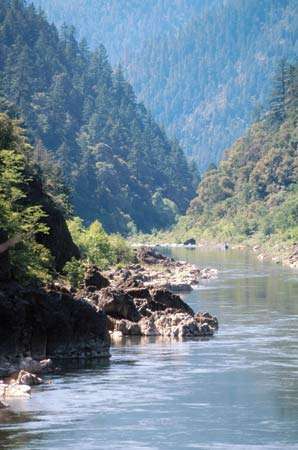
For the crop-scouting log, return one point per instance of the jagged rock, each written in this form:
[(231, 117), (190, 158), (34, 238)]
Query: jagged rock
[(48, 324), (14, 390), (130, 283), (93, 277), (30, 365), (127, 328), (162, 299), (148, 327), (178, 287), (190, 241), (118, 304), (208, 273), (148, 255), (140, 292), (173, 324), (144, 306), (28, 378), (207, 318)]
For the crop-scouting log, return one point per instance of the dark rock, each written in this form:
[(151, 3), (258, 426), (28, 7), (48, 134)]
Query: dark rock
[(28, 378), (148, 255), (130, 283), (206, 318), (127, 328), (93, 277), (144, 306), (162, 299), (138, 292), (42, 324), (190, 241), (118, 304)]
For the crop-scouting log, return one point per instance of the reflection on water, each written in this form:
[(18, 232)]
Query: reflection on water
[(237, 390)]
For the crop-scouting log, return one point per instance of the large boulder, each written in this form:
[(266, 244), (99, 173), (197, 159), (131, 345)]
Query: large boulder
[(118, 304), (138, 292), (162, 299), (30, 379), (148, 255), (171, 323), (49, 324), (93, 277), (206, 317), (190, 241)]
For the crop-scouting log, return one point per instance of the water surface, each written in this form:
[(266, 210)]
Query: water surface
[(237, 390)]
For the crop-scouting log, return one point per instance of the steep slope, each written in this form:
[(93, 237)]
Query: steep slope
[(118, 162), (253, 192), (203, 67), (32, 227)]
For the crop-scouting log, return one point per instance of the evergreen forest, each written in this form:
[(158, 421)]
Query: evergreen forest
[(204, 68)]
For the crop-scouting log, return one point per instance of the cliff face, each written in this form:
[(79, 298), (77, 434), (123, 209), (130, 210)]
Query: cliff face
[(49, 323)]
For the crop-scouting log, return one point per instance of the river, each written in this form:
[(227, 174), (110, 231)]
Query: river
[(237, 390)]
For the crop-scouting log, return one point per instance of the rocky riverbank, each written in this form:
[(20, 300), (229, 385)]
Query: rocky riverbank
[(155, 270), (55, 322), (278, 253), (141, 299), (38, 324)]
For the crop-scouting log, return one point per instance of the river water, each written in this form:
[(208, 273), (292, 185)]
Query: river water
[(237, 390)]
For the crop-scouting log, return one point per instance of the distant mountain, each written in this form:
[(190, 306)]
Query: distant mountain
[(118, 162), (202, 67)]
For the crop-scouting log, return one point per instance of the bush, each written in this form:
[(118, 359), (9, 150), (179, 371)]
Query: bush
[(97, 247)]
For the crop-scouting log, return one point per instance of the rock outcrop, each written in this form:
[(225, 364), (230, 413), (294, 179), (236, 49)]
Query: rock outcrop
[(48, 323), (30, 379), (157, 270), (140, 311), (94, 278), (171, 323), (117, 304), (190, 241), (163, 299)]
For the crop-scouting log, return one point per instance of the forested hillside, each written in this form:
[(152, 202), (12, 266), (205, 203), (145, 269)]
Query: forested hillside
[(31, 221), (118, 163), (253, 192), (202, 67)]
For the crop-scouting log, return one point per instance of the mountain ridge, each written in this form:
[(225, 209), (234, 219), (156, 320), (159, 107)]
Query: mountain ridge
[(203, 75), (76, 107)]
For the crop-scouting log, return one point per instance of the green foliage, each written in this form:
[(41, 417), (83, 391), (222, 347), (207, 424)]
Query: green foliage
[(19, 221), (97, 247), (253, 190), (51, 175), (84, 119), (74, 271)]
